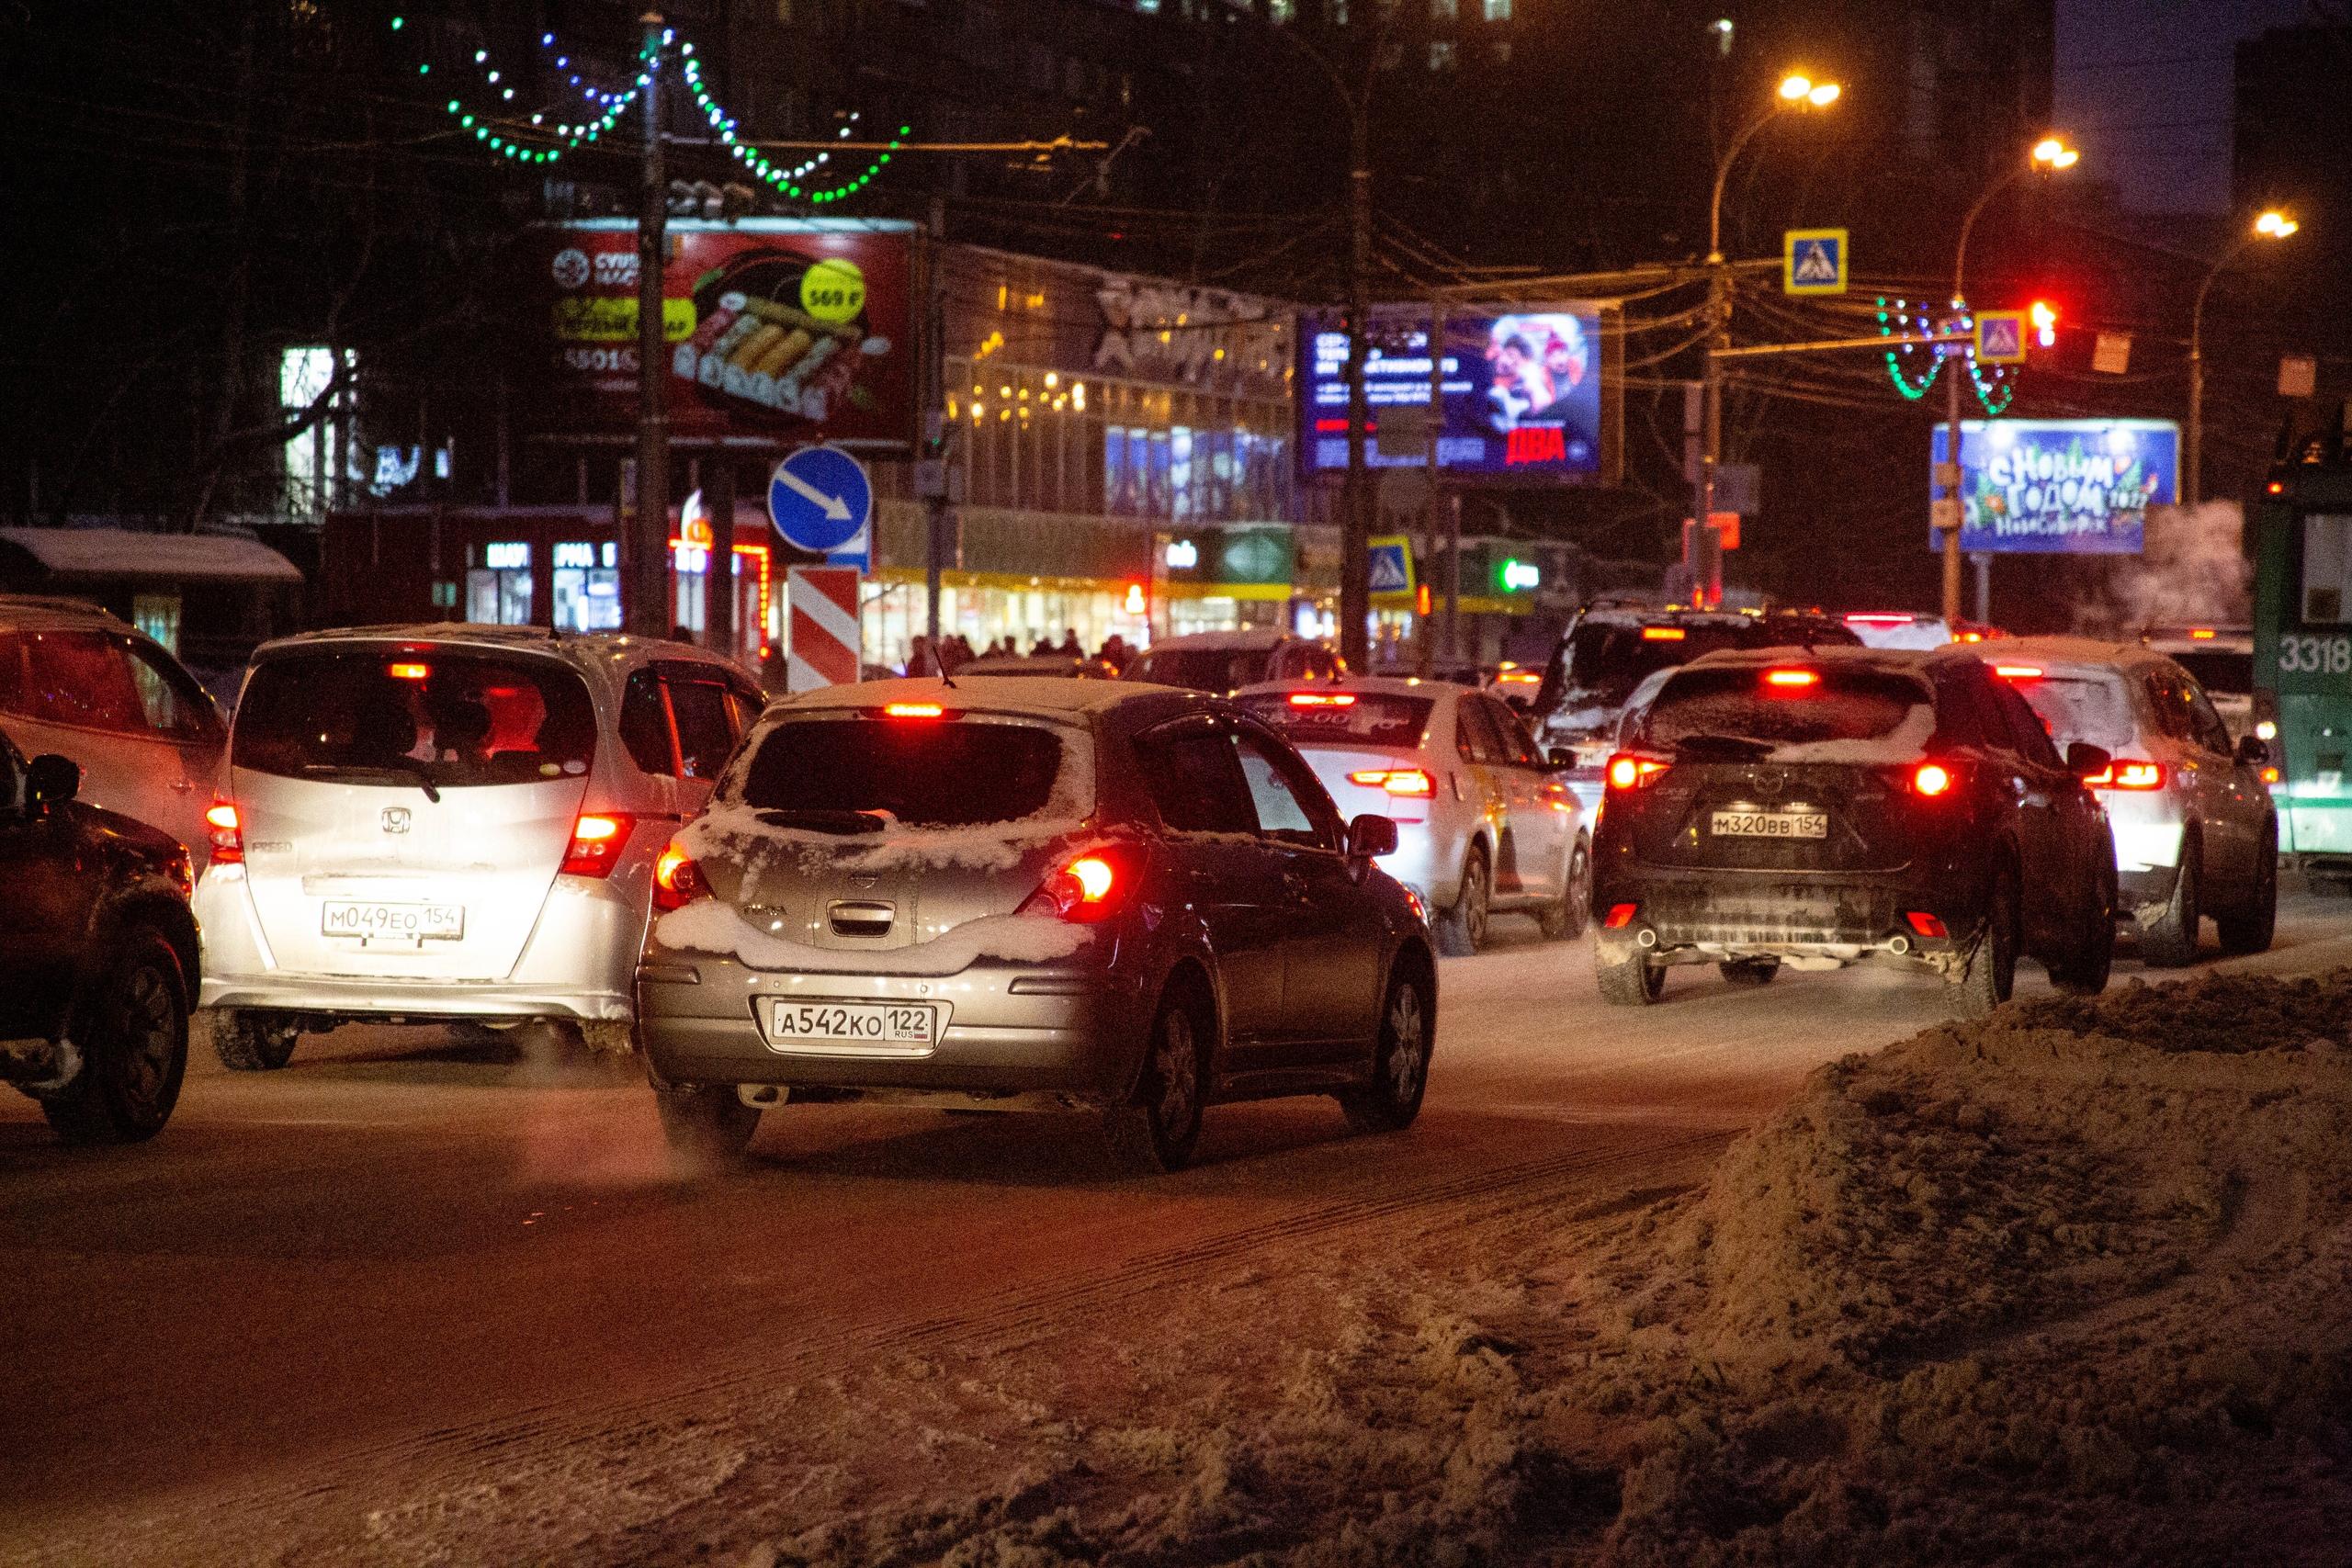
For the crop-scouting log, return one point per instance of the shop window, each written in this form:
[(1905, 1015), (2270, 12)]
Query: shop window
[(498, 590), (158, 614), (587, 587), (1498, 10)]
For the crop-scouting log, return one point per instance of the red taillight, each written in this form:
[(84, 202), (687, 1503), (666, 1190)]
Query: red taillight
[(2128, 775), (2017, 672), (1931, 779), (1925, 924), (408, 671), (1663, 633), (914, 710), (1620, 916), (1629, 771), (1880, 618), (1792, 680), (597, 840), (1411, 782), (228, 833), (677, 880), (1322, 699), (1087, 889)]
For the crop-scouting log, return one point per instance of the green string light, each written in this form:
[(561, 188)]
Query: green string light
[(1994, 392)]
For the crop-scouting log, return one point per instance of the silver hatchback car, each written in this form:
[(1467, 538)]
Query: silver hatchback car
[(449, 823), (2195, 831), (1010, 894)]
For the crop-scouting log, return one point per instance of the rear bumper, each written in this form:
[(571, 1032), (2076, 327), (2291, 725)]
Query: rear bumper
[(369, 998), (1073, 1030), (1707, 916)]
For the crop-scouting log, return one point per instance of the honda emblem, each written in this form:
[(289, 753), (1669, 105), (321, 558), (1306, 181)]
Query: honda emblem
[(396, 820)]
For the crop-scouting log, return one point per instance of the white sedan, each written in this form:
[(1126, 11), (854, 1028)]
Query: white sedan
[(1484, 822)]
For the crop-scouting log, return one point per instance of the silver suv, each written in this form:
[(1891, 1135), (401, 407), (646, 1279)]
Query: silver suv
[(2196, 833), (450, 823)]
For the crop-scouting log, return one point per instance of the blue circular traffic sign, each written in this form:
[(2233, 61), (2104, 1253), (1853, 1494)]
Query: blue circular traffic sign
[(820, 498)]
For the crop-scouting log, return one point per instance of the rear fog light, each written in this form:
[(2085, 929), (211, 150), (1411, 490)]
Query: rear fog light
[(1925, 924), (1620, 916)]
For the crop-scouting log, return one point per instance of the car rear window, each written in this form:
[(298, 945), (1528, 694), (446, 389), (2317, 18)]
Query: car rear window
[(383, 715), (1748, 704), (1218, 670), (1343, 718), (1606, 662), (921, 772), (2219, 670), (2079, 707)]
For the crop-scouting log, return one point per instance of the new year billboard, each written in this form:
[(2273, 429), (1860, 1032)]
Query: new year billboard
[(798, 329), (2061, 486)]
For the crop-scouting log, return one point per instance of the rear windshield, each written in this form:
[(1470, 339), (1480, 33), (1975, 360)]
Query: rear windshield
[(2219, 670), (940, 773), (1342, 718), (1743, 711), (1606, 662), (382, 715), (2087, 707), (1218, 670)]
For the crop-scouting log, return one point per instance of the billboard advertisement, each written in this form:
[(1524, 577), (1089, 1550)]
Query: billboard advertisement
[(798, 329), (1525, 393), (2061, 486)]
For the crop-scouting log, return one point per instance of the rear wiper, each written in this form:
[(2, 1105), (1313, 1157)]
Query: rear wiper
[(842, 823), (1732, 745), (423, 774)]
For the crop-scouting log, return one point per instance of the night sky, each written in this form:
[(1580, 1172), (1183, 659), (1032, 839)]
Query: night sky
[(2144, 87)]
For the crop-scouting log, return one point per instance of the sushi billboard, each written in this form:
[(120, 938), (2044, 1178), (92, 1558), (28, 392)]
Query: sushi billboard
[(2061, 486), (791, 329)]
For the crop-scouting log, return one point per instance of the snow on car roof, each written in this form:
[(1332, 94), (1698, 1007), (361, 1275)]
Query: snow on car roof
[(993, 693), (581, 650), (1381, 685), (2076, 651), (1218, 642)]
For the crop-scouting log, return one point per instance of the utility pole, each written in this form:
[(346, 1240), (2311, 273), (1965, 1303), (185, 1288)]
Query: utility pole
[(1426, 642), (1355, 530), (648, 545), (935, 415), (1955, 367)]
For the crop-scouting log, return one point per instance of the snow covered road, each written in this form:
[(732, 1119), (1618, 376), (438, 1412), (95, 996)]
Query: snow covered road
[(416, 1300)]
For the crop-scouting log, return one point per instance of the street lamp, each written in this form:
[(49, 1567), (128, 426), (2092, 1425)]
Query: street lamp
[(2271, 225), (2047, 157), (1797, 93)]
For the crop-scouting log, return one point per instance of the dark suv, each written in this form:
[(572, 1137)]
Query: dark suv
[(97, 956), (1815, 807)]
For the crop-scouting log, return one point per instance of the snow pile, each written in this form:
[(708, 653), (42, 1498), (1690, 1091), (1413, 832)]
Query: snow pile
[(2068, 1283), (709, 926), (1904, 743)]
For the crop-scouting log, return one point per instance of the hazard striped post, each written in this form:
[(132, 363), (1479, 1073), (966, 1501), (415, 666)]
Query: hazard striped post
[(823, 645)]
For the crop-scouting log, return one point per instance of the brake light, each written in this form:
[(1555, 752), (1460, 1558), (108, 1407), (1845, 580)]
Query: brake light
[(2270, 775), (1931, 779), (677, 880), (2128, 775), (408, 671), (914, 710), (1086, 890), (1520, 678), (1663, 633), (1629, 771), (2017, 672), (1411, 782), (1792, 679), (1926, 924), (1969, 637), (2201, 634), (597, 840), (227, 833), (1620, 916), (1322, 699), (1878, 618)]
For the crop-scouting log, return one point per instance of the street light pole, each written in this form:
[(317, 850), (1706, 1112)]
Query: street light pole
[(648, 545), (1355, 530), (2271, 225)]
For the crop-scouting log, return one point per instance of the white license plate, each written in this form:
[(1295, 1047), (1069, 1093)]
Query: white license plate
[(1769, 824), (817, 1023), (393, 923)]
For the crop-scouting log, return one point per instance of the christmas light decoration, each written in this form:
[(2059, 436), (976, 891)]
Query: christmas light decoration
[(1995, 389)]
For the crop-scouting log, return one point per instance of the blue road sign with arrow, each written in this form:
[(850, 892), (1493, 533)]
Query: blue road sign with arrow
[(820, 499)]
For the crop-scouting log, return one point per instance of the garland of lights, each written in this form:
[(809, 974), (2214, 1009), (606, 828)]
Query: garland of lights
[(613, 104), (1996, 388)]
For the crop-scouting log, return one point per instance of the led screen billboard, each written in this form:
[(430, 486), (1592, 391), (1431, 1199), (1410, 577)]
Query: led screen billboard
[(1526, 394), (797, 329), (2061, 486)]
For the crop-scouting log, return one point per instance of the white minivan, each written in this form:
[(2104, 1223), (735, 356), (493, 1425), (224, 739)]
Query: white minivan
[(450, 823)]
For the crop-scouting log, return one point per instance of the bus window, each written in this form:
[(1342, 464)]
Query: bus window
[(2327, 568)]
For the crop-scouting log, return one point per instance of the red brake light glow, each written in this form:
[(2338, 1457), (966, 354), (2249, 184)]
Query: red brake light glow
[(1926, 924), (408, 671), (1411, 782), (2128, 775), (1878, 618), (1086, 890), (914, 710), (598, 841), (228, 833), (677, 880), (2017, 672), (1792, 679), (1931, 779), (1663, 633), (2201, 634), (1620, 916), (1322, 699), (1520, 678), (1629, 771)]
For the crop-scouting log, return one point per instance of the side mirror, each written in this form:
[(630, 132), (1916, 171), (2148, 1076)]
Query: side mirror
[(1370, 836), (2254, 750), (1561, 758), (51, 780), (2085, 759)]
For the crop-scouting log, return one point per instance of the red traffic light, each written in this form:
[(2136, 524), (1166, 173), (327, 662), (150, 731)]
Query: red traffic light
[(2043, 313)]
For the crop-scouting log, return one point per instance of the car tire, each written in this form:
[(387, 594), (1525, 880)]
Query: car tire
[(2086, 971), (2169, 941), (132, 1032), (707, 1127), (1462, 929), (1992, 974), (1400, 1066), (1750, 972), (1157, 1131), (2250, 929), (1563, 919), (248, 1042), (1629, 982)]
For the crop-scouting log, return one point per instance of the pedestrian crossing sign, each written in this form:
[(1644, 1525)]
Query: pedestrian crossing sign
[(2001, 337), (1813, 260), (1391, 566)]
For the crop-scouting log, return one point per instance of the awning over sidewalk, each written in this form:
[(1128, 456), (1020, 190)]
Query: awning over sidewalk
[(84, 555)]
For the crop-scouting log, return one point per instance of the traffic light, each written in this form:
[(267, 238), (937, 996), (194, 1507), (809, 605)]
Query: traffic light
[(2043, 315)]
